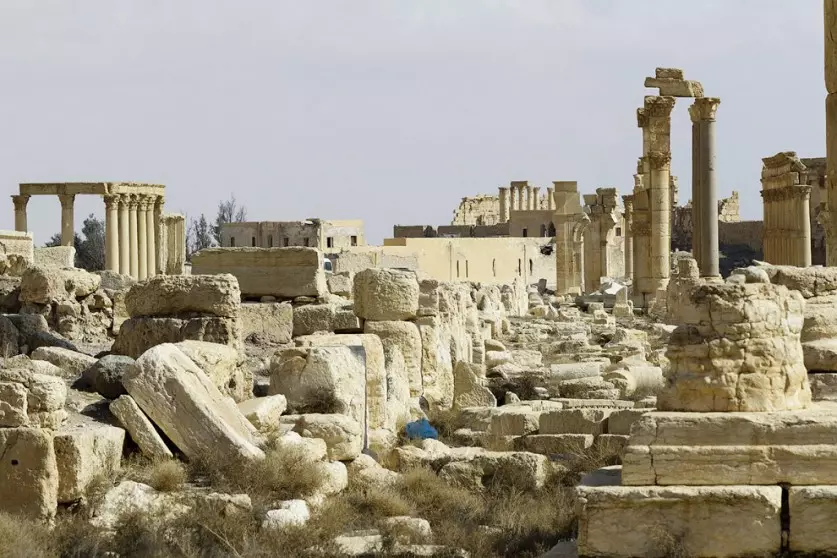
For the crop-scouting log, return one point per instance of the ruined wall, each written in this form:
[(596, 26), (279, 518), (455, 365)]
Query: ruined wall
[(537, 223), (171, 247), (681, 219), (314, 233), (451, 231), (482, 209)]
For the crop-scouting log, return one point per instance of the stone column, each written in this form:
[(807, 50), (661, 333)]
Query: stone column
[(703, 117), (550, 205), (658, 163), (521, 204), (112, 232), (829, 219), (133, 234), (803, 242), (536, 198), (67, 219), (20, 201), (629, 236), (696, 176), (151, 236), (142, 237), (162, 267), (124, 235), (504, 204)]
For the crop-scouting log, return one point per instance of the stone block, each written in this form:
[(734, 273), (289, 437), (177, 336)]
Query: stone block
[(55, 256), (85, 449), (29, 472), (222, 364), (10, 338), (281, 272), (170, 295), (574, 421), (105, 375), (341, 284), (610, 446), (468, 388), (345, 321), (812, 510), (519, 421), (407, 337), (270, 323), (569, 403), (44, 403), (704, 521), (16, 252), (264, 412), (313, 318), (386, 294), (71, 363), (437, 342), (45, 285), (342, 434), (823, 386), (554, 444), (140, 428), (137, 335), (181, 399), (620, 421), (732, 448)]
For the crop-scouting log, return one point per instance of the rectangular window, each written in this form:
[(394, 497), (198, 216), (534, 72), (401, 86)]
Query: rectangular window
[(618, 231), (525, 233), (286, 242), (354, 241), (329, 242), (253, 242), (270, 241), (232, 241), (305, 241)]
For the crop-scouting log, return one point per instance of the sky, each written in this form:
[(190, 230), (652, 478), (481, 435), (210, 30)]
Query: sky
[(383, 110)]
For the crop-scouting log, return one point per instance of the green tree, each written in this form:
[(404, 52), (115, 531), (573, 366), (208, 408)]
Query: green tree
[(228, 212), (90, 245), (198, 236)]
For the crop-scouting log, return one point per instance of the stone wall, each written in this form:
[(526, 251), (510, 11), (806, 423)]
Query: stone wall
[(314, 233), (481, 209), (55, 256), (16, 252), (172, 244), (681, 228)]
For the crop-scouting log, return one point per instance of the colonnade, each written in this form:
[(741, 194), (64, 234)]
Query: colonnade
[(520, 196), (787, 220)]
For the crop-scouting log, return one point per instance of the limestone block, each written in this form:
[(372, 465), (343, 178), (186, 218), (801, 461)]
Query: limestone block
[(610, 447), (341, 284), (574, 421), (322, 379), (670, 87), (575, 370), (345, 321), (468, 388), (9, 338), (105, 375), (181, 399), (72, 363), (270, 323), (281, 272), (264, 412), (406, 336), (29, 472), (554, 444), (313, 318), (335, 476), (137, 335), (44, 399), (45, 285), (342, 434), (375, 365), (222, 364), (115, 281), (85, 449), (706, 521), (132, 497), (508, 421), (314, 449), (386, 294), (823, 386), (140, 428), (732, 448), (629, 378), (408, 529), (428, 297), (620, 421), (737, 350), (812, 511), (55, 256), (437, 344), (170, 295), (476, 469), (569, 403)]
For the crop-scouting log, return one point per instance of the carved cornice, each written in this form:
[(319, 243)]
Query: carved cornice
[(787, 193), (704, 109), (67, 200), (659, 107)]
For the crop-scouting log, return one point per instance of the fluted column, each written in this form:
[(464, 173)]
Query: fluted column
[(133, 234), (829, 216), (67, 219), (530, 199), (151, 237), (629, 236), (658, 110), (20, 202), (504, 204), (124, 235), (142, 237), (112, 232), (536, 198), (703, 118), (521, 204), (550, 203)]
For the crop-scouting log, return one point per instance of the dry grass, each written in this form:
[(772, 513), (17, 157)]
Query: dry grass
[(23, 538), (165, 475)]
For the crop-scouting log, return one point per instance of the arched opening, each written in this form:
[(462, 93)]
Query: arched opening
[(551, 229)]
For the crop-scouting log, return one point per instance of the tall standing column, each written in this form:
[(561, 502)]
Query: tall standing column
[(133, 234), (20, 202), (151, 236), (629, 236), (162, 251), (67, 219), (696, 177), (142, 237), (521, 204), (504, 204), (703, 117), (536, 198), (550, 205), (124, 235), (829, 216), (112, 232), (658, 111), (804, 243)]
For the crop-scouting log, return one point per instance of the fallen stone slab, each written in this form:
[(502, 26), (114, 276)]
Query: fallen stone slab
[(264, 412), (72, 363), (222, 364), (554, 444), (170, 295), (574, 421), (140, 428)]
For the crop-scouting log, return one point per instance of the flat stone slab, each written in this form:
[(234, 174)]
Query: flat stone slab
[(812, 512), (795, 447), (701, 521), (569, 403)]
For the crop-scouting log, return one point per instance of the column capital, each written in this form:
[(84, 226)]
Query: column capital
[(639, 183), (145, 202), (629, 203), (20, 201), (504, 189), (132, 201), (67, 200), (111, 201), (704, 109), (659, 107), (641, 118), (659, 160), (159, 201)]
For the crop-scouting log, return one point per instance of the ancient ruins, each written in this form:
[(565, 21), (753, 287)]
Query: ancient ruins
[(561, 371)]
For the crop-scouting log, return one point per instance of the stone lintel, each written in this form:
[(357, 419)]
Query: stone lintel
[(675, 87), (669, 73), (91, 188)]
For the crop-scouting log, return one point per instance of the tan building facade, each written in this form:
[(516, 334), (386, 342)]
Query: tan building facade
[(322, 234)]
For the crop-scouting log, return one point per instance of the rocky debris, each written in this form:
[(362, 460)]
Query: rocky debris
[(139, 427), (468, 388), (105, 375), (288, 512), (223, 365), (343, 435), (31, 400), (270, 323), (71, 363), (187, 406), (386, 294), (264, 412)]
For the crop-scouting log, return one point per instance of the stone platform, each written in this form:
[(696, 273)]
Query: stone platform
[(676, 448)]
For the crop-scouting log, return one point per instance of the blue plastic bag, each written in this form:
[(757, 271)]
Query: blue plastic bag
[(420, 430)]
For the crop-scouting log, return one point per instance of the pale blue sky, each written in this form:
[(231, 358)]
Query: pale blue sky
[(387, 110)]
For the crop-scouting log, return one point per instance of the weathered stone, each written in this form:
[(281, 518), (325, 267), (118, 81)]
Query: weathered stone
[(181, 399), (569, 403), (29, 472), (44, 404), (281, 272), (510, 421), (554, 444), (703, 521), (137, 335), (139, 427), (9, 338), (313, 318), (222, 364), (407, 337), (115, 281), (129, 497), (340, 284), (13, 405), (342, 434), (386, 294), (406, 529), (105, 375), (288, 512), (345, 321), (170, 295), (85, 449), (468, 389), (574, 421), (264, 412), (72, 363), (45, 285), (621, 421), (812, 510), (269, 323), (322, 379)]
